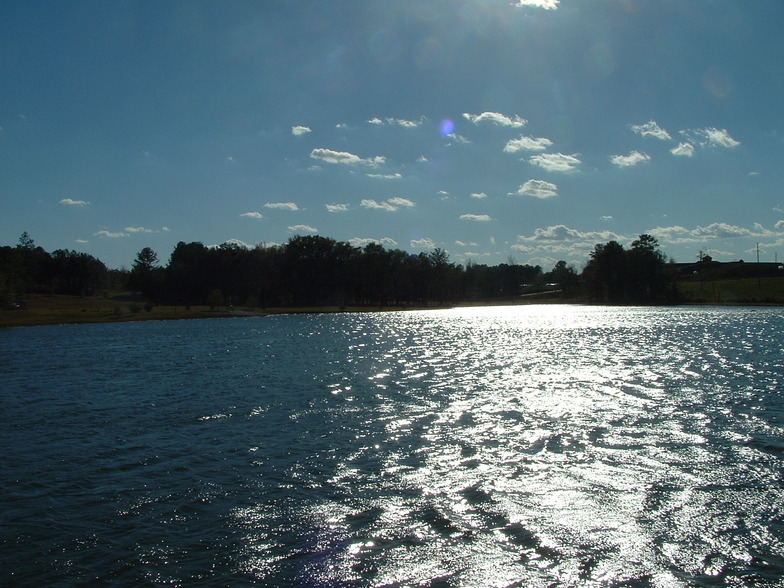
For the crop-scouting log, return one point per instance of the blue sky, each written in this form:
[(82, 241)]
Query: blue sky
[(494, 129)]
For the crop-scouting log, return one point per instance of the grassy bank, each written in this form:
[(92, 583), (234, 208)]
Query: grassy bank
[(53, 310), (737, 291), (48, 310)]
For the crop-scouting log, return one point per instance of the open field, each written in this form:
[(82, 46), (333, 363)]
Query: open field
[(737, 291)]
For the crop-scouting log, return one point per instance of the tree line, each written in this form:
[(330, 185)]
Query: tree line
[(310, 271)]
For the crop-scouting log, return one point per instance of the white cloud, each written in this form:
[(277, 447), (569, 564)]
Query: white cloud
[(478, 195), (722, 231), (238, 243), (422, 159), (476, 217), (345, 158), (252, 215), (109, 234), (302, 229), (496, 118), (537, 189), (398, 201), (679, 234), (425, 243), (81, 241), (395, 176), (138, 230), (281, 205), (683, 150), (651, 129), (370, 203), (455, 138), (633, 158), (401, 122), (557, 233), (336, 207), (546, 4), (527, 144), (361, 241), (674, 234), (299, 130), (711, 137), (606, 217), (557, 162), (69, 202), (779, 225)]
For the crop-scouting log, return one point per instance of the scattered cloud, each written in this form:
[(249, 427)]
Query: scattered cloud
[(70, 202), (282, 205), (336, 207), (683, 150), (711, 137), (630, 160), (651, 129), (678, 234), (606, 217), (302, 229), (496, 118), (475, 217), (345, 158), (299, 130), (557, 233), (237, 243), (546, 4), (252, 215), (370, 203), (555, 162), (395, 176), (422, 159), (81, 241), (479, 195), (389, 205), (404, 202), (455, 138), (401, 122), (110, 234), (537, 189), (361, 242), (138, 230), (527, 144), (424, 243), (723, 231)]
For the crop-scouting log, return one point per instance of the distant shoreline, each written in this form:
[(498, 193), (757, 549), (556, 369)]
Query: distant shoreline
[(61, 310)]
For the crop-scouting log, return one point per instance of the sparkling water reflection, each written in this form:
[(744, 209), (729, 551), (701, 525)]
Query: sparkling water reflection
[(499, 446)]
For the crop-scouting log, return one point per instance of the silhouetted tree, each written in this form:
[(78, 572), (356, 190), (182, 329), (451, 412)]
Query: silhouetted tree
[(639, 275), (145, 275), (566, 277)]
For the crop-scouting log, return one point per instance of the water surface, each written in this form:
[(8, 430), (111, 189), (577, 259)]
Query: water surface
[(498, 446)]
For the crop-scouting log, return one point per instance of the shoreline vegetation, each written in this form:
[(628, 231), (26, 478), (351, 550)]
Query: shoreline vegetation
[(318, 274), (41, 309)]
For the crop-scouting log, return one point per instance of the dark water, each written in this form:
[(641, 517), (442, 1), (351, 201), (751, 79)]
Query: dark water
[(526, 446)]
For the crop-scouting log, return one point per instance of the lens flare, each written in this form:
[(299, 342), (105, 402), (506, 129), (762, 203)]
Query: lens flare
[(447, 127)]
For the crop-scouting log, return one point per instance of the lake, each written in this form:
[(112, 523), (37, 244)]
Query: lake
[(493, 446)]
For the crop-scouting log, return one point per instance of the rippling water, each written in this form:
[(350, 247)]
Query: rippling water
[(519, 446)]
